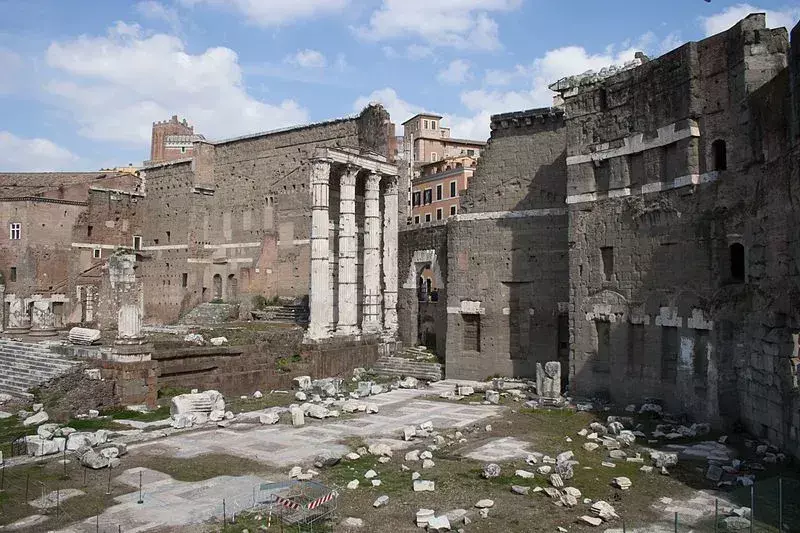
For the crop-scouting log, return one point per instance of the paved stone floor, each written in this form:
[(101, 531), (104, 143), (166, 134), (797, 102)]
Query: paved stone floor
[(498, 450), (168, 502), (285, 446)]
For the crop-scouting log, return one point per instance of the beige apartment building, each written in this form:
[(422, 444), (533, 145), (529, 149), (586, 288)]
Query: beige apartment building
[(436, 192)]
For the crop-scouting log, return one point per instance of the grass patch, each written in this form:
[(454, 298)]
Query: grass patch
[(121, 413), (170, 392), (238, 405), (93, 424)]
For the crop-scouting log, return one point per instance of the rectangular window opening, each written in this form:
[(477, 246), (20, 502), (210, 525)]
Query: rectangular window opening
[(439, 214), (439, 192), (13, 275), (15, 231), (416, 219), (137, 242), (184, 280), (453, 191), (607, 256), (89, 231), (602, 176), (472, 333), (670, 346), (603, 347), (169, 236), (96, 253), (452, 210), (428, 217)]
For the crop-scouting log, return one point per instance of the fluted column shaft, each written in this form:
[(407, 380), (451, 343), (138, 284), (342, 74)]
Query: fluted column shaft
[(348, 255), (372, 255), (319, 297), (390, 229)]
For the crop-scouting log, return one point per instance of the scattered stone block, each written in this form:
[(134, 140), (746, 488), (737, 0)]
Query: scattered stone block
[(352, 485), (424, 516), (352, 523), (524, 474), (491, 470), (34, 420), (622, 483), (519, 489), (492, 397), (591, 520), (381, 501), (421, 485), (484, 503), (439, 523)]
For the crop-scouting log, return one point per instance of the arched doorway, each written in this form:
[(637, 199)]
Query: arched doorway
[(232, 288), (217, 287)]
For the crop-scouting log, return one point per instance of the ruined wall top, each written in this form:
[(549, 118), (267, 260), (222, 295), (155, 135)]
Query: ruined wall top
[(526, 118)]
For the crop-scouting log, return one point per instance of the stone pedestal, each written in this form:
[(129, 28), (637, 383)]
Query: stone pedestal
[(348, 255), (43, 322), (18, 319), (130, 345)]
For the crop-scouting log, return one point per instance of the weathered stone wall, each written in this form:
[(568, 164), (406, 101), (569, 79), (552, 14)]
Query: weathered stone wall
[(420, 247), (239, 213), (660, 303)]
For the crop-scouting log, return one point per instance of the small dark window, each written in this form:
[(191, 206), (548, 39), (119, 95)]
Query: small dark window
[(137, 242), (472, 333), (602, 176), (155, 241), (737, 262), (96, 253), (720, 155), (603, 97), (428, 217), (452, 210), (416, 219), (670, 345), (169, 235), (607, 256), (636, 169), (184, 280), (89, 231), (13, 275), (438, 192), (470, 153), (416, 198), (439, 214), (427, 197), (453, 189)]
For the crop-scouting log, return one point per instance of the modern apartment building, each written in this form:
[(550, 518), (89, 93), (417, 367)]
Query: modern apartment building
[(436, 192)]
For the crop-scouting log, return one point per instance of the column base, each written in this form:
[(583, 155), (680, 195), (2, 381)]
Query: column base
[(43, 332), (131, 350), (347, 331), (19, 331), (316, 333)]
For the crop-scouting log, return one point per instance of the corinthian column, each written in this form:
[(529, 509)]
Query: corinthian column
[(319, 297), (372, 255), (390, 257), (348, 251)]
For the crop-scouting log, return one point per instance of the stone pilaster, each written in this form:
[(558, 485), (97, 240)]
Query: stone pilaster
[(319, 296), (129, 322), (390, 229), (348, 255), (2, 305), (43, 321), (18, 319), (371, 322)]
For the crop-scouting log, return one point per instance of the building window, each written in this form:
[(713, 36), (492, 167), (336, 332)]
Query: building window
[(433, 124), (183, 149), (602, 348), (720, 155), (737, 262), (636, 169), (439, 214), (453, 190), (439, 192), (15, 231), (602, 175), (427, 217), (452, 210), (425, 124), (427, 197), (670, 344), (89, 231), (607, 256), (184, 280), (416, 219), (471, 153), (434, 156), (137, 242), (96, 253), (471, 340), (169, 235), (417, 196), (13, 275)]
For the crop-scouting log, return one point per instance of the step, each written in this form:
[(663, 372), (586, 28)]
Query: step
[(34, 364)]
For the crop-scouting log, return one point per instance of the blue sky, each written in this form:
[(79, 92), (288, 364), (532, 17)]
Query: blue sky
[(82, 81)]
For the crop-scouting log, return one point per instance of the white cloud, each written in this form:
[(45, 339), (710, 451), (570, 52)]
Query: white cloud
[(157, 11), (269, 13), (32, 155), (723, 20), (12, 68), (116, 85), (456, 73), (399, 110), (307, 59), (418, 51), (455, 23)]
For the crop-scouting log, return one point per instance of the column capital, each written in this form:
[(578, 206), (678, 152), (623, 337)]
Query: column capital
[(320, 171), (348, 177), (373, 180), (390, 180)]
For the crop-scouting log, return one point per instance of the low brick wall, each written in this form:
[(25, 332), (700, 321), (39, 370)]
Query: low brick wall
[(236, 370), (135, 383)]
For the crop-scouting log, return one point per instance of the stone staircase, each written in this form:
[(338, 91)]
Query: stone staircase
[(296, 314), (414, 361), (24, 365), (208, 313)]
